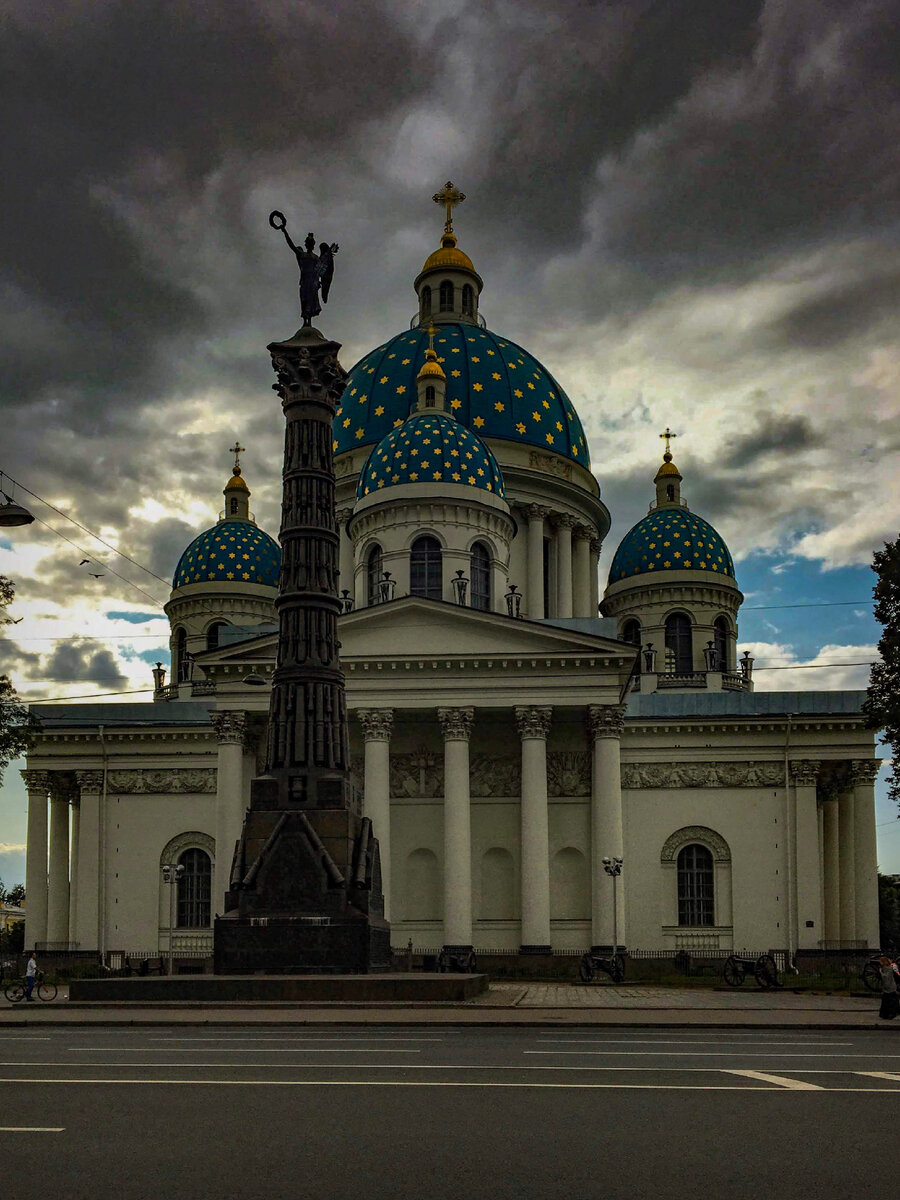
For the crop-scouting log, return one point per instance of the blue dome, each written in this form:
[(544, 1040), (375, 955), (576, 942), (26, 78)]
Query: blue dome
[(430, 448), (494, 387), (671, 539), (230, 552)]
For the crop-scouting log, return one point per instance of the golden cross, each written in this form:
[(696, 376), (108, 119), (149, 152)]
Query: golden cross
[(667, 435), (237, 450), (431, 332), (449, 196)]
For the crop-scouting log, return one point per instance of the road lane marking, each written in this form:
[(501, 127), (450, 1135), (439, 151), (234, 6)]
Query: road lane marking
[(429, 1083), (702, 1054), (294, 1040), (677, 1042), (880, 1075), (32, 1129), (238, 1050), (799, 1085), (408, 1066)]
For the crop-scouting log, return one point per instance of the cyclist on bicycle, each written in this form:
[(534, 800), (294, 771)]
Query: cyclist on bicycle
[(30, 977)]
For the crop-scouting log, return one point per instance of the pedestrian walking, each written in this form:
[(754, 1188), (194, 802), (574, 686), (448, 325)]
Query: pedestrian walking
[(31, 977), (890, 1000)]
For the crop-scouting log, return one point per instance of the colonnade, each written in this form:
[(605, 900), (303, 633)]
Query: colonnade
[(605, 723), (836, 854), (575, 550)]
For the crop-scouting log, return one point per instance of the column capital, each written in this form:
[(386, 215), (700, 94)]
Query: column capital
[(606, 720), (585, 532), (533, 721), (537, 512), (343, 515), (596, 544), (230, 727), (563, 520), (804, 772), (89, 781), (36, 781), (62, 786), (456, 723), (864, 771), (377, 723)]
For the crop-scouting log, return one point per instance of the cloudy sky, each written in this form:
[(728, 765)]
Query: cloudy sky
[(687, 209)]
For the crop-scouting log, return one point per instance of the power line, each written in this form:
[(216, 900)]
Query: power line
[(806, 604), (97, 536), (86, 696)]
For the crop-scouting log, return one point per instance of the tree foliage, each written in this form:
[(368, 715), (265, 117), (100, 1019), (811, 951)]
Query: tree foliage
[(16, 725), (882, 704)]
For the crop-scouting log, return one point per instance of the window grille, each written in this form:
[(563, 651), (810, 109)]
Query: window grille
[(373, 575), (446, 296), (426, 301), (720, 637), (425, 574), (480, 573), (468, 301), (678, 644), (695, 886)]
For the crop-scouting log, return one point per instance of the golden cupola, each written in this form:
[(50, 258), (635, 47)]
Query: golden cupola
[(431, 382), (448, 286)]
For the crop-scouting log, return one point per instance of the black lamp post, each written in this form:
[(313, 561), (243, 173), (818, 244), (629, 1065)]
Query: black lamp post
[(513, 601), (460, 587)]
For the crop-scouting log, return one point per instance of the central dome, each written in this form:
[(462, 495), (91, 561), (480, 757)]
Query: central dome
[(494, 387)]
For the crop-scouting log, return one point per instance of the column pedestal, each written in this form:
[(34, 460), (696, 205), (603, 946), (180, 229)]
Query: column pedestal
[(534, 724), (377, 724), (606, 721), (863, 775), (456, 724), (38, 785)]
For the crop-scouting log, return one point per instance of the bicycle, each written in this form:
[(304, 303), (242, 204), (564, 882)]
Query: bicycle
[(15, 991)]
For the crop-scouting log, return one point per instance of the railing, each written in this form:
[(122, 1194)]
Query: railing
[(414, 321), (223, 514), (668, 504), (169, 692), (732, 682), (203, 687), (679, 679)]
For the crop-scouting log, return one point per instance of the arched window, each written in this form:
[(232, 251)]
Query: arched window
[(212, 634), (373, 575), (232, 506), (182, 661), (696, 898), (425, 575), (468, 301), (194, 888), (670, 491), (429, 396), (720, 636), (679, 654), (426, 301), (480, 573), (446, 296)]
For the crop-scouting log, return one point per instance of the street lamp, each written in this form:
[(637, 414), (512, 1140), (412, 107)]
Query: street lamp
[(171, 875), (513, 601), (460, 586), (12, 513), (613, 868)]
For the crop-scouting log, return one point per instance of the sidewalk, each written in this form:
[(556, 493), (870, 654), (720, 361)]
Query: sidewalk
[(505, 1004)]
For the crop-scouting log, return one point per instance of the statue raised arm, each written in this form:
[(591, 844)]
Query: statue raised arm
[(316, 270)]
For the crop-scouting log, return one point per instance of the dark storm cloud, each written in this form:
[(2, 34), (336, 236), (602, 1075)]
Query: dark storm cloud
[(844, 311), (774, 435), (81, 662)]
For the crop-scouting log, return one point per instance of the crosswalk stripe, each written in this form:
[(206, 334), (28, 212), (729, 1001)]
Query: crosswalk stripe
[(894, 1078)]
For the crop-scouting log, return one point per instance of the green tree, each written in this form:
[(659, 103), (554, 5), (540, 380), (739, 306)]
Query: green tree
[(15, 722), (889, 911), (882, 704), (16, 894)]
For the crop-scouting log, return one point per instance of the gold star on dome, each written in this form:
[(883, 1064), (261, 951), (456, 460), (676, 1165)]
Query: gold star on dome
[(383, 379), (455, 373), (495, 374), (346, 423), (535, 416), (545, 403), (490, 351), (499, 406), (398, 422), (518, 392), (401, 389), (359, 433), (559, 426), (414, 475), (456, 476), (477, 387), (478, 422), (475, 358), (379, 411), (520, 427), (550, 439), (435, 474), (530, 384)]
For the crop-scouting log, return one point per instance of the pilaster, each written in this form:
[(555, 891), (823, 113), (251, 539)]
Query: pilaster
[(808, 908), (534, 594), (534, 724), (456, 726), (606, 723), (862, 779), (233, 736), (377, 725), (563, 523), (37, 784), (86, 863)]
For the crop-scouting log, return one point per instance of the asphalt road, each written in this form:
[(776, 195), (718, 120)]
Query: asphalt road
[(408, 1112)]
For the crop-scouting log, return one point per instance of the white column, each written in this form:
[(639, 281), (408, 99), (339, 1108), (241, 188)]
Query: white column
[(596, 546), (73, 868), (564, 524), (607, 721), (456, 724), (233, 736), (581, 573), (377, 724), (38, 785), (847, 866), (806, 856), (832, 873), (534, 590), (345, 560), (58, 882), (85, 925), (862, 776), (534, 724)]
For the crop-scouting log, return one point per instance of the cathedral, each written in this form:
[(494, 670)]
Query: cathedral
[(517, 736)]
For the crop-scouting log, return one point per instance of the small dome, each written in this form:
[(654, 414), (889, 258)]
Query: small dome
[(431, 448), (668, 467), (236, 482), (448, 256), (230, 552), (671, 539)]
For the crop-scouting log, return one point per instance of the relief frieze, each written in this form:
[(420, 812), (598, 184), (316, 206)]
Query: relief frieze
[(702, 774), (176, 781)]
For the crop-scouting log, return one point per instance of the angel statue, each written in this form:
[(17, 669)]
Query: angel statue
[(316, 270)]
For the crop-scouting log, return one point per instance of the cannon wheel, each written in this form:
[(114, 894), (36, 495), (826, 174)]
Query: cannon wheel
[(443, 962), (871, 976), (734, 972), (468, 963), (617, 973), (765, 971), (586, 969)]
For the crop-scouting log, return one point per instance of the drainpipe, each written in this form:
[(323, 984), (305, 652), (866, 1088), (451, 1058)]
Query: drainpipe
[(789, 850), (101, 856)]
